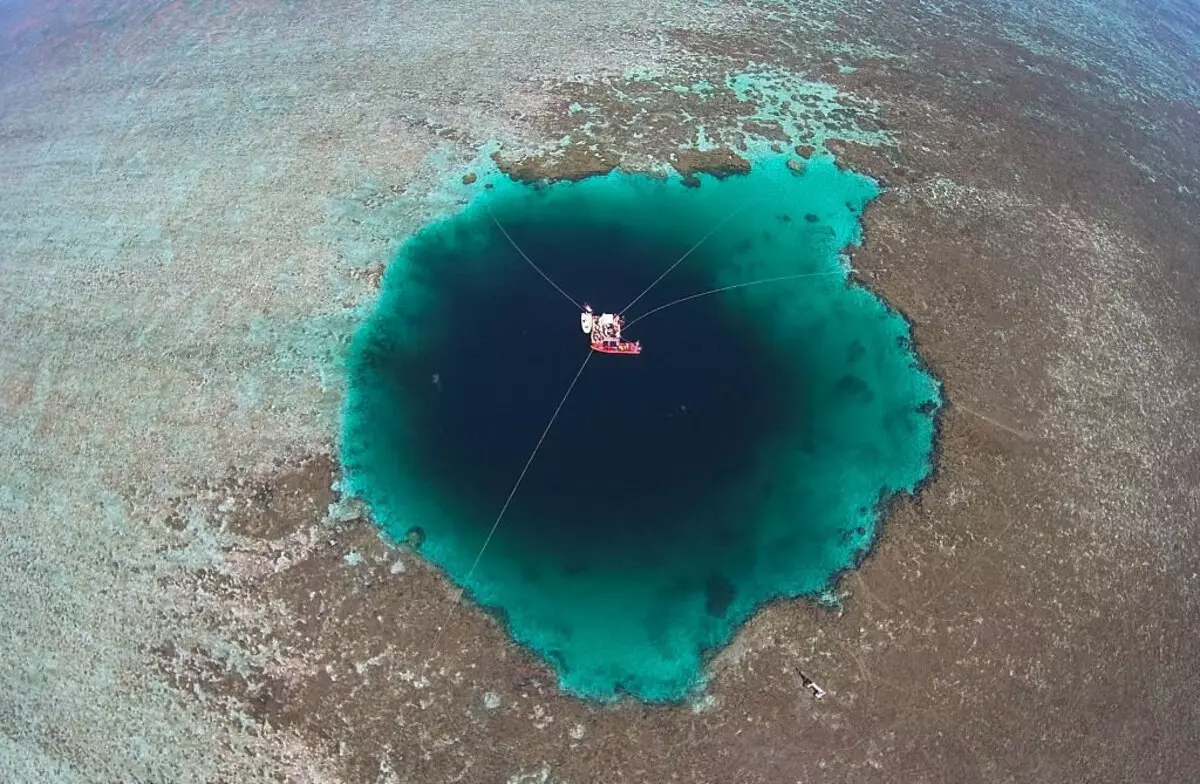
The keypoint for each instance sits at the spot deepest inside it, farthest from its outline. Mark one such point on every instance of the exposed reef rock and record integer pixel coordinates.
(573, 163)
(720, 163)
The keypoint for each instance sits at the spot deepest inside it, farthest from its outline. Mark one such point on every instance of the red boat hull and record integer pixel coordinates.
(615, 347)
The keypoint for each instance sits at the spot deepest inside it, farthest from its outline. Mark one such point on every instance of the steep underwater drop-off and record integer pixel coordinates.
(745, 455)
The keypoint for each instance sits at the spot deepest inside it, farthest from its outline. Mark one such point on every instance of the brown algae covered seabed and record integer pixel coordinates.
(199, 202)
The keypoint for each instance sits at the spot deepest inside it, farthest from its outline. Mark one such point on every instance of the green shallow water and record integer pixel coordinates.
(745, 456)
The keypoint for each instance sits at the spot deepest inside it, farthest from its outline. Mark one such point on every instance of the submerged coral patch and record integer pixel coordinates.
(745, 455)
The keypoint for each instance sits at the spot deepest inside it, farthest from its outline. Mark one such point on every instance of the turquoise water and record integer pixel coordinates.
(746, 455)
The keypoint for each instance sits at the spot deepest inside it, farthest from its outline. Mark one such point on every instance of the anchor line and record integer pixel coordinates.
(679, 261)
(495, 525)
(733, 286)
(528, 260)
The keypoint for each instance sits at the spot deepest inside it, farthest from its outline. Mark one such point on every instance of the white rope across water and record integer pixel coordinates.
(470, 572)
(703, 239)
(797, 276)
(530, 261)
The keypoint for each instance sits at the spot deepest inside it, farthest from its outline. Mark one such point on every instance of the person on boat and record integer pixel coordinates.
(604, 331)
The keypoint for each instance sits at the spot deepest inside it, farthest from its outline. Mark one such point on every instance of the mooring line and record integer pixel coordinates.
(703, 239)
(462, 588)
(735, 286)
(529, 260)
(1018, 433)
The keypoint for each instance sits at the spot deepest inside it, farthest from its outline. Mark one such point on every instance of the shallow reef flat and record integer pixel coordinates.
(201, 202)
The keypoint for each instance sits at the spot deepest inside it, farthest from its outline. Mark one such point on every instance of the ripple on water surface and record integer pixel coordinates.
(744, 456)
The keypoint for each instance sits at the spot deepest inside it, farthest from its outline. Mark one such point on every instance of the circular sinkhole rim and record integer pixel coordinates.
(882, 512)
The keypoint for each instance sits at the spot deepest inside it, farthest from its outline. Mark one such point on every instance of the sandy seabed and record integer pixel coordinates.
(197, 205)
